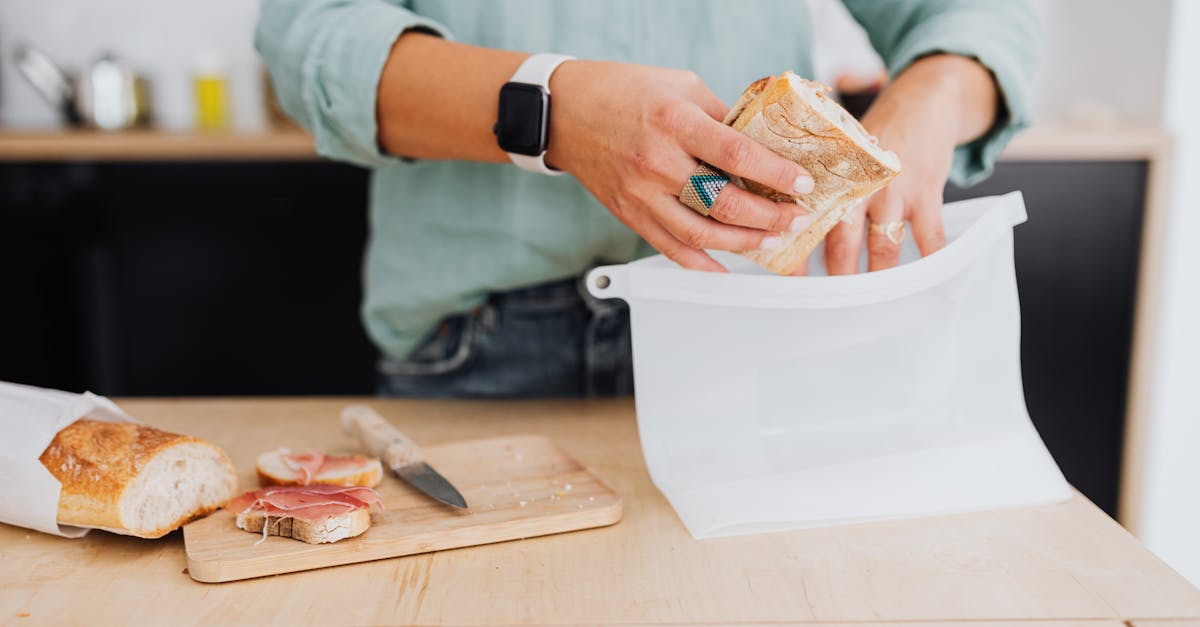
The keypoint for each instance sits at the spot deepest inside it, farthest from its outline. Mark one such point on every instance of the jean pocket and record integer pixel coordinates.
(449, 348)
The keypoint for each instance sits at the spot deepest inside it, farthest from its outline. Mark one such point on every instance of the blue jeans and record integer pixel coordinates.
(550, 340)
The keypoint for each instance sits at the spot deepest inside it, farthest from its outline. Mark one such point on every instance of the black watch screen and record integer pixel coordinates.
(523, 122)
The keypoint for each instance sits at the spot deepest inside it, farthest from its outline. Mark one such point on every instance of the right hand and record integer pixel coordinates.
(632, 135)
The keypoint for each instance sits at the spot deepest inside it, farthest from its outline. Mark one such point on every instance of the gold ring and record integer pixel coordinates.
(894, 231)
(702, 188)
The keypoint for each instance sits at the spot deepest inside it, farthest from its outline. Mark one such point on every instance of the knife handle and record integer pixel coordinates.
(379, 437)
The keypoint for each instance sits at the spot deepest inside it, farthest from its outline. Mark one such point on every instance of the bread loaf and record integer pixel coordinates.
(796, 119)
(135, 480)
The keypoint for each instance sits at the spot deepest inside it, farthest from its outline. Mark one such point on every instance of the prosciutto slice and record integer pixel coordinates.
(311, 502)
(306, 465)
(310, 464)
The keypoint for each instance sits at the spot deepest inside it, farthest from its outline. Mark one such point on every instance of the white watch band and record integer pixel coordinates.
(537, 70)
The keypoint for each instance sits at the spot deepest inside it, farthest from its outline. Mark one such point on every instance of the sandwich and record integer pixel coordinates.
(283, 467)
(798, 120)
(135, 480)
(315, 514)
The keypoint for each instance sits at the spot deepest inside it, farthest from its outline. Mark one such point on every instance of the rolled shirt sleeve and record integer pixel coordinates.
(1003, 35)
(325, 58)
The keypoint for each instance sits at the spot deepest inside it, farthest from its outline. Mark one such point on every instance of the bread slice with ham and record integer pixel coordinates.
(798, 120)
(315, 514)
(283, 467)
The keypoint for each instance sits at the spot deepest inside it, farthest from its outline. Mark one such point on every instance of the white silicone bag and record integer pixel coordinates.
(768, 403)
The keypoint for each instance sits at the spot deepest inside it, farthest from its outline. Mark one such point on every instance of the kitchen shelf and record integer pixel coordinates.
(1048, 143)
(150, 145)
(1042, 143)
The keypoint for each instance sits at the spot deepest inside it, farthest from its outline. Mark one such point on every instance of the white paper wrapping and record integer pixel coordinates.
(767, 403)
(30, 417)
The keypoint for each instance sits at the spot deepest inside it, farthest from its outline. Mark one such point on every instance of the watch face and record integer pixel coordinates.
(521, 125)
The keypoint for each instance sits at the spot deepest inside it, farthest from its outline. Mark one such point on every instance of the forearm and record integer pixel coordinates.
(437, 99)
(958, 88)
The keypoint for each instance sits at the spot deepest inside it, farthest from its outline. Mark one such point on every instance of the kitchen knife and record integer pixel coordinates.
(399, 453)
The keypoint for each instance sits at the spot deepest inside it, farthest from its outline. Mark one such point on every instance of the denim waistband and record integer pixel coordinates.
(562, 293)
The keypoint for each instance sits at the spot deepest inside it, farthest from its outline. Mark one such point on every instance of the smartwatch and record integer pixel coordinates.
(523, 120)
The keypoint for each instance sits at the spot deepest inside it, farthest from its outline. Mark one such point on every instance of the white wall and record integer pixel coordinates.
(161, 38)
(1106, 53)
(1170, 516)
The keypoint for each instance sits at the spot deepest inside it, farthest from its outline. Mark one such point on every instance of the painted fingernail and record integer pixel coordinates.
(799, 223)
(804, 184)
(770, 242)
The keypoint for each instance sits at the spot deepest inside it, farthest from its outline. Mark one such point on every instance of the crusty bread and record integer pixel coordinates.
(135, 480)
(797, 119)
(273, 469)
(328, 529)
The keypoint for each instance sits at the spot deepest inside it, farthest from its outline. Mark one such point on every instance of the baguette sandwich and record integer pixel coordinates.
(135, 480)
(315, 514)
(796, 119)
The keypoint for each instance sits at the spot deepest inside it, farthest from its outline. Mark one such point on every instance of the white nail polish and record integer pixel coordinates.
(771, 242)
(800, 223)
(803, 184)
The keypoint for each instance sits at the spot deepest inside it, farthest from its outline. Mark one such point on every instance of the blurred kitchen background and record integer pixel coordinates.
(179, 256)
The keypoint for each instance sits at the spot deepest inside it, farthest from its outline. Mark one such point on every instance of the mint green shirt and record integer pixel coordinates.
(444, 234)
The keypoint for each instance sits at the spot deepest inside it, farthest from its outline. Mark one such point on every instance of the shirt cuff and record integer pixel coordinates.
(975, 161)
(347, 77)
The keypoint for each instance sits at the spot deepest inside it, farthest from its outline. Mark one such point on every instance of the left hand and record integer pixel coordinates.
(939, 102)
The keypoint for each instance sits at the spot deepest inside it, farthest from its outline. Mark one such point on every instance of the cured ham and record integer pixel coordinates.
(283, 467)
(306, 465)
(311, 503)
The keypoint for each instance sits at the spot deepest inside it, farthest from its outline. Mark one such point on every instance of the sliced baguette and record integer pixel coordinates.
(795, 118)
(328, 529)
(135, 480)
(355, 470)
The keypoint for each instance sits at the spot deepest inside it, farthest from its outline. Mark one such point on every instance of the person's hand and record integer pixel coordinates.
(936, 104)
(633, 134)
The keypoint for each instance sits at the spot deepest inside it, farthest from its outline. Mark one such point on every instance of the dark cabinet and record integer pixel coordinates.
(184, 278)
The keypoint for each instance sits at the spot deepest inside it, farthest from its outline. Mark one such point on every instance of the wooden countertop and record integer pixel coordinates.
(289, 145)
(1056, 565)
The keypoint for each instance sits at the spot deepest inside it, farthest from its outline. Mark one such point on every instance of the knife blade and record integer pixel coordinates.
(399, 453)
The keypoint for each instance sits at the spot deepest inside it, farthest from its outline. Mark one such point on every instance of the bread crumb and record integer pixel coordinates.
(591, 498)
(524, 503)
(22, 614)
(567, 487)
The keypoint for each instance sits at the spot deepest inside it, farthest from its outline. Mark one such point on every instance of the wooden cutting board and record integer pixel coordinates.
(517, 487)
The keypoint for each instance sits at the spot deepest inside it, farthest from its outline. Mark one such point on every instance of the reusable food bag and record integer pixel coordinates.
(767, 403)
(30, 417)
